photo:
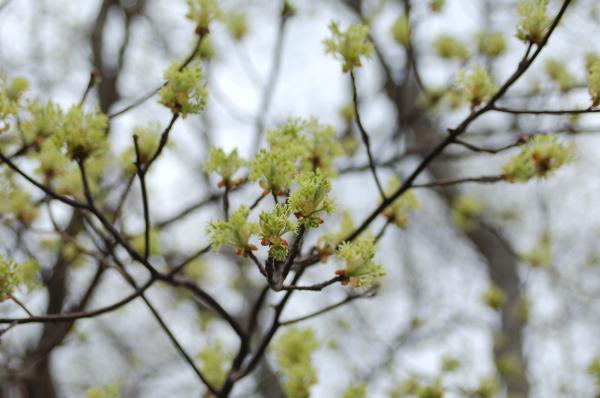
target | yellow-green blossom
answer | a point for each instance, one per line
(185, 91)
(533, 21)
(437, 5)
(311, 198)
(8, 278)
(235, 232)
(17, 204)
(475, 85)
(359, 391)
(214, 362)
(593, 69)
(488, 387)
(236, 24)
(350, 46)
(107, 391)
(202, 13)
(540, 255)
(594, 370)
(225, 165)
(273, 225)
(491, 44)
(274, 170)
(542, 155)
(294, 350)
(398, 211)
(557, 72)
(401, 30)
(510, 366)
(360, 270)
(448, 47)
(10, 96)
(315, 145)
(320, 148)
(83, 134)
(494, 297)
(466, 211)
(45, 121)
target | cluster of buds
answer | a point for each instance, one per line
(360, 270)
(273, 225)
(225, 165)
(184, 92)
(350, 45)
(235, 232)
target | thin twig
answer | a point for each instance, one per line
(20, 304)
(317, 286)
(544, 111)
(365, 136)
(367, 293)
(456, 181)
(146, 207)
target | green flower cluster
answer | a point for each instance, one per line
(107, 391)
(540, 157)
(475, 85)
(412, 388)
(9, 279)
(273, 225)
(45, 121)
(202, 13)
(437, 5)
(593, 69)
(510, 366)
(274, 170)
(398, 211)
(236, 24)
(540, 255)
(314, 145)
(359, 391)
(494, 297)
(10, 96)
(18, 205)
(401, 30)
(491, 44)
(82, 134)
(594, 371)
(350, 45)
(361, 270)
(214, 361)
(465, 213)
(310, 198)
(294, 351)
(68, 179)
(184, 91)
(557, 72)
(296, 146)
(235, 232)
(225, 165)
(533, 20)
(488, 387)
(448, 47)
